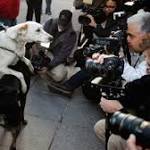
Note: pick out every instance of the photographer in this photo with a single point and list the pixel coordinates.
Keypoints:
(136, 92)
(99, 21)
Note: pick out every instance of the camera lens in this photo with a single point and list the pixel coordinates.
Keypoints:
(124, 124)
(83, 19)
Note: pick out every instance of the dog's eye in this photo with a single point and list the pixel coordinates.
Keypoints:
(38, 30)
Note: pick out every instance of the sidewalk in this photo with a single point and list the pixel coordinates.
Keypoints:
(55, 122)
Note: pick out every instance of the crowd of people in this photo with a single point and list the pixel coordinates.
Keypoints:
(135, 72)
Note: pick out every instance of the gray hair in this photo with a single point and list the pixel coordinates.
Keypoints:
(142, 20)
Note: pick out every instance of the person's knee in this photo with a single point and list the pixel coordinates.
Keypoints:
(115, 142)
(58, 73)
(99, 129)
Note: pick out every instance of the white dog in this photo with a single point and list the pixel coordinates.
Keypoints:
(12, 47)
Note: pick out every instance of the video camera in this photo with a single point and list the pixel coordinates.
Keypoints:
(98, 14)
(106, 45)
(110, 70)
(126, 124)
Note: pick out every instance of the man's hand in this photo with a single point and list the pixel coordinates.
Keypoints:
(110, 106)
(99, 58)
(131, 143)
(92, 23)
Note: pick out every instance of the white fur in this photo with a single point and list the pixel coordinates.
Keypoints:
(14, 39)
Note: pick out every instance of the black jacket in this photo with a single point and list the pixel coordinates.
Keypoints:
(137, 97)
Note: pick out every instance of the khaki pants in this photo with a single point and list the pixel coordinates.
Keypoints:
(62, 72)
(115, 142)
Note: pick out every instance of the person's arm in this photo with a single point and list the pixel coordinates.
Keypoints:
(47, 25)
(65, 50)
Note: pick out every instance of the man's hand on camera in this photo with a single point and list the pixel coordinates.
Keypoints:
(92, 23)
(99, 58)
(131, 143)
(110, 106)
(42, 70)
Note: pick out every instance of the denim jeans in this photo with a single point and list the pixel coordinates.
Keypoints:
(48, 6)
(77, 79)
(7, 22)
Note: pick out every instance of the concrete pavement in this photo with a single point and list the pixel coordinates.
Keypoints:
(55, 122)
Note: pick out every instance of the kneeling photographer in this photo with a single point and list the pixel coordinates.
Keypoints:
(137, 95)
(99, 21)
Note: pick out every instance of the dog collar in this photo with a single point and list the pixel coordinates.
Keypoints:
(11, 51)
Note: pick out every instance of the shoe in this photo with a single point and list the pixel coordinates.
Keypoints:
(48, 13)
(60, 89)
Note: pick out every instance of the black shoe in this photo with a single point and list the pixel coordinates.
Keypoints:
(60, 89)
(48, 13)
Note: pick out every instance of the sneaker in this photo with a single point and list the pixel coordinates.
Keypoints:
(60, 89)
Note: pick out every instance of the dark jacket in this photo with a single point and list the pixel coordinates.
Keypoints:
(137, 97)
(63, 42)
(111, 25)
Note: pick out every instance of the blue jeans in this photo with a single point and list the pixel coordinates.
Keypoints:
(77, 79)
(48, 6)
(7, 22)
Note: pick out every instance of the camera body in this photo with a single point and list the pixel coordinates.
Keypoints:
(93, 48)
(110, 70)
(126, 124)
(106, 45)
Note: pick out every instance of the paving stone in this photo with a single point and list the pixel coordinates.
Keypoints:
(76, 138)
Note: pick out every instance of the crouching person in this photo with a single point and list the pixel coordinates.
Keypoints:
(64, 39)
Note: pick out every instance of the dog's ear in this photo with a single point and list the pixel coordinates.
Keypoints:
(23, 29)
(17, 30)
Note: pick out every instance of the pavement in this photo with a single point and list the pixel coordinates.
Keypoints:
(55, 122)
